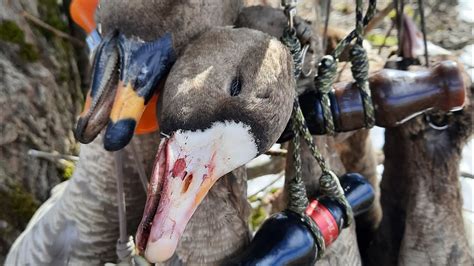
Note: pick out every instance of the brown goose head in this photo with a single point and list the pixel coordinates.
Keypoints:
(141, 41)
(226, 100)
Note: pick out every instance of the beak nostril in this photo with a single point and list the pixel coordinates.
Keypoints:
(187, 182)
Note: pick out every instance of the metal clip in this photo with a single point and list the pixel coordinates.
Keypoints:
(304, 51)
(290, 12)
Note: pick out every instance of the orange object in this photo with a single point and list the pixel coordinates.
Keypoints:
(148, 122)
(83, 12)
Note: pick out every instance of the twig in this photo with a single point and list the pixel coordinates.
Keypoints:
(52, 29)
(467, 175)
(277, 152)
(378, 18)
(280, 175)
(385, 38)
(53, 156)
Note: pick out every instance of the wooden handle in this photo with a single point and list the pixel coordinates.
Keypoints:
(397, 96)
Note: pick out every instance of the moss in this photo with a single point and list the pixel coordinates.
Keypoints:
(10, 32)
(379, 40)
(68, 170)
(257, 217)
(28, 52)
(17, 205)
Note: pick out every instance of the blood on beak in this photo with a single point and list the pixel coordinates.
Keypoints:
(186, 167)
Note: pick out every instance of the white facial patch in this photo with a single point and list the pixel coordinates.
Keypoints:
(232, 143)
(195, 160)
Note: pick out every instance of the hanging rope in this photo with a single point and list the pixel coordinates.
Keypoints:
(360, 72)
(327, 70)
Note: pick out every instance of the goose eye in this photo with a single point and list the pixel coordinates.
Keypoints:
(235, 86)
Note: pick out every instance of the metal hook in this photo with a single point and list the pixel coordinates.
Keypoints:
(164, 135)
(434, 126)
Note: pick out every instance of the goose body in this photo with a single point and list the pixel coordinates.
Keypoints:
(252, 95)
(79, 224)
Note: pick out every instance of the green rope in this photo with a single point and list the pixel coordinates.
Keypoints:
(360, 72)
(328, 182)
(353, 34)
(297, 197)
(327, 71)
(290, 39)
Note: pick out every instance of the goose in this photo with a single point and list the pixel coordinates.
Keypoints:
(219, 112)
(421, 198)
(420, 191)
(141, 41)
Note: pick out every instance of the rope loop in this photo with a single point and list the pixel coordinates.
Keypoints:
(329, 186)
(317, 234)
(360, 72)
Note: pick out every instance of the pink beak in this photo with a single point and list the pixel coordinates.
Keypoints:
(186, 167)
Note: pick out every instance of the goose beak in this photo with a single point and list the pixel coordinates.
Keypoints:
(100, 97)
(143, 65)
(127, 110)
(186, 167)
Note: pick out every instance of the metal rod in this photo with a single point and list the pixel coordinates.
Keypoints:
(137, 157)
(326, 25)
(51, 155)
(118, 156)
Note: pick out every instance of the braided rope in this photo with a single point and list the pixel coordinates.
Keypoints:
(360, 72)
(353, 34)
(317, 235)
(359, 22)
(327, 71)
(297, 197)
(328, 182)
(290, 39)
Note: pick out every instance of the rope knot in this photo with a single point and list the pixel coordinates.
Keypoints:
(327, 70)
(360, 64)
(360, 72)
